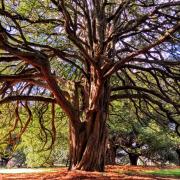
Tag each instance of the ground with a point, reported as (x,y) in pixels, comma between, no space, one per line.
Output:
(111,173)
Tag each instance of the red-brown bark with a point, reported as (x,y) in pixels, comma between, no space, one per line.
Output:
(89,138)
(87,149)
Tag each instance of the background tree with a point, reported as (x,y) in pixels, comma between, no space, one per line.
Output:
(37,142)
(82,44)
(36,148)
(144,139)
(8,141)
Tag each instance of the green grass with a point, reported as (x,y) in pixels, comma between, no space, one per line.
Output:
(160,172)
(164,172)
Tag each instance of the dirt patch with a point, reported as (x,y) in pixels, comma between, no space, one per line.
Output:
(111,173)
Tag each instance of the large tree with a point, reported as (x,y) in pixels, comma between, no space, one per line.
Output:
(66,52)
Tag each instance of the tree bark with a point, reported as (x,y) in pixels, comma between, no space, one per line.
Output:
(133,159)
(88,139)
(111,153)
(178,154)
(87,151)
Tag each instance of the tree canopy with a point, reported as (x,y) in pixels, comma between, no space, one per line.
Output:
(84,54)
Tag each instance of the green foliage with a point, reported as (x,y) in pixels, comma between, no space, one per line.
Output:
(141,135)
(33,142)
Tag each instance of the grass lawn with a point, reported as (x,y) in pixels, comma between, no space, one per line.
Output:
(159,172)
(164,172)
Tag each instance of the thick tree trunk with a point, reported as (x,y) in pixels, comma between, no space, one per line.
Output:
(88,140)
(88,150)
(133,159)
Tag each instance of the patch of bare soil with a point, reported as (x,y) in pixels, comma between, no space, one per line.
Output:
(111,173)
